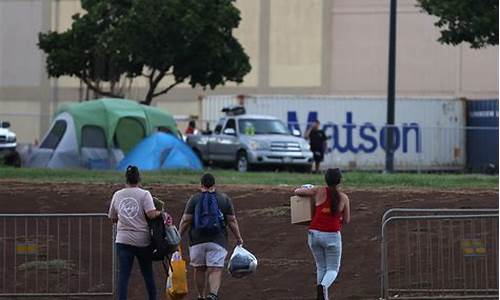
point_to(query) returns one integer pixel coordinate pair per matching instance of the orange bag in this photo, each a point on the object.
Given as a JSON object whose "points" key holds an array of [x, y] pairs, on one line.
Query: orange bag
{"points": [[177, 286]]}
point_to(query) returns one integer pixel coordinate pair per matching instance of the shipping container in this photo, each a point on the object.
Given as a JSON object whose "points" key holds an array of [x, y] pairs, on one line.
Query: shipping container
{"points": [[482, 136], [429, 133]]}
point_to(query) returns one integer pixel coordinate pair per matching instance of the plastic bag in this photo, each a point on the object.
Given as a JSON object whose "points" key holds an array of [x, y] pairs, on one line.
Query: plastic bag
{"points": [[177, 286], [242, 262], [172, 236]]}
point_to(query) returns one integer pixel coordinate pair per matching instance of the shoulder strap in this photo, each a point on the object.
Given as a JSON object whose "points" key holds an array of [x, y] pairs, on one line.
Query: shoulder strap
{"points": [[203, 198], [213, 196], [222, 217]]}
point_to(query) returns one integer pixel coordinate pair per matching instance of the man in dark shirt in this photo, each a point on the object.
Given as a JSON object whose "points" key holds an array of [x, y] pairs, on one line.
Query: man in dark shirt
{"points": [[317, 140], [208, 252]]}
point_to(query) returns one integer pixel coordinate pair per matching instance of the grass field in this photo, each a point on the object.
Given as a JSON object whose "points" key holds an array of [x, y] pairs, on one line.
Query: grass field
{"points": [[351, 179]]}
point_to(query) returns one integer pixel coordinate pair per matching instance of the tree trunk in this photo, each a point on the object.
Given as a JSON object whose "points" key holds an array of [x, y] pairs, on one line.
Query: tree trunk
{"points": [[112, 86], [87, 93], [153, 83], [95, 87], [149, 97]]}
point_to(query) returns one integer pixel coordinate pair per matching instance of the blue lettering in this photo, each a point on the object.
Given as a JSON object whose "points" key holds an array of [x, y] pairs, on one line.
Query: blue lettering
{"points": [[334, 138], [368, 138], [292, 121], [328, 137], [406, 129], [312, 117], [395, 138], [349, 126], [367, 134]]}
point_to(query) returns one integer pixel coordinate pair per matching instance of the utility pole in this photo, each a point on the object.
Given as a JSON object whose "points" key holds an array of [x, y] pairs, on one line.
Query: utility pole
{"points": [[391, 91]]}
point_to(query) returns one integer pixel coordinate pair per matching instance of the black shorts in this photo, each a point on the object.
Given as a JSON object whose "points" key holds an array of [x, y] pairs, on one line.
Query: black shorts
{"points": [[318, 156]]}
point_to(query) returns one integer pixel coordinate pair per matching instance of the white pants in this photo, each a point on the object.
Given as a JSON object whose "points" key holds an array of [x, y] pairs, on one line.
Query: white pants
{"points": [[326, 248]]}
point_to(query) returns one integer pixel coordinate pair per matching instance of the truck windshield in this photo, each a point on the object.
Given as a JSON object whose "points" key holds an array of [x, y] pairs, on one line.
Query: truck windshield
{"points": [[262, 126]]}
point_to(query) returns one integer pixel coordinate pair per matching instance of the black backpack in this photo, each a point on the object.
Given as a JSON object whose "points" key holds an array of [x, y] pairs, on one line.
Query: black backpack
{"points": [[160, 245]]}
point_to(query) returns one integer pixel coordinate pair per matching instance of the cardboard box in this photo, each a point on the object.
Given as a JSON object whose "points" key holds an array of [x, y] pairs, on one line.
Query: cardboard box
{"points": [[302, 209]]}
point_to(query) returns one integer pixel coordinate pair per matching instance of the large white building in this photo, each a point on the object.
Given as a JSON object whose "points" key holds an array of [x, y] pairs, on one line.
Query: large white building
{"points": [[335, 47]]}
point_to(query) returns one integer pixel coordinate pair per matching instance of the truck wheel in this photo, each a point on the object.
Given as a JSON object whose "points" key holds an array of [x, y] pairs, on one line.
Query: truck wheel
{"points": [[304, 169], [242, 162], [198, 154], [13, 159]]}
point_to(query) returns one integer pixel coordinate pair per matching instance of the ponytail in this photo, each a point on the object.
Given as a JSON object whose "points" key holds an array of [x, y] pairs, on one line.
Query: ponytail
{"points": [[335, 196], [332, 179], [132, 175]]}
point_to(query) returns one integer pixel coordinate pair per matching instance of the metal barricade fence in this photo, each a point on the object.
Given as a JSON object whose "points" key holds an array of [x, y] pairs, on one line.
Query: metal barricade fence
{"points": [[439, 254], [52, 255]]}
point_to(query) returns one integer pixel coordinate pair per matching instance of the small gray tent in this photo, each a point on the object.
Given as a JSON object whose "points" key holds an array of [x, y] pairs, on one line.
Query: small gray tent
{"points": [[98, 133]]}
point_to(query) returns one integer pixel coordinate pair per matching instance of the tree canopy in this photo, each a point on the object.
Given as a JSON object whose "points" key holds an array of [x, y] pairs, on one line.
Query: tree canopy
{"points": [[186, 40], [472, 21]]}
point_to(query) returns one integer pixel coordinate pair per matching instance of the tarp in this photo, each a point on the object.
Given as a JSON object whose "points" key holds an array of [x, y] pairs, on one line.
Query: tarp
{"points": [[161, 151]]}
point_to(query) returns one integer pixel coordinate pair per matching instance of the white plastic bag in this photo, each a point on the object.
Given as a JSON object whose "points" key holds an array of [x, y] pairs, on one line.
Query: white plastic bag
{"points": [[242, 262], [172, 236]]}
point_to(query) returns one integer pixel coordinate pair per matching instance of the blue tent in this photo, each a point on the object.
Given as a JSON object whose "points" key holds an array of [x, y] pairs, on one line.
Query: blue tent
{"points": [[161, 151]]}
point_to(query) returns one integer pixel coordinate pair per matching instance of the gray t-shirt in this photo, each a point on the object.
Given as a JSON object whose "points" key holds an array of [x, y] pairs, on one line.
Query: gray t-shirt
{"points": [[227, 209], [130, 205]]}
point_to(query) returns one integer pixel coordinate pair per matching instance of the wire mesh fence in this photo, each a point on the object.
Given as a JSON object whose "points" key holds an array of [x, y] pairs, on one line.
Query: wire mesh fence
{"points": [[440, 254], [49, 255]]}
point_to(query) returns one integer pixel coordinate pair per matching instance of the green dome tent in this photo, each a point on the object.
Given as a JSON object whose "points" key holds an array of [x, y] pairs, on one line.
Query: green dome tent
{"points": [[97, 134]]}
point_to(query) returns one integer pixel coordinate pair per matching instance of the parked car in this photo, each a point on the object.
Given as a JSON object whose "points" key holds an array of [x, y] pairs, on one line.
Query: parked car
{"points": [[8, 140], [246, 141], [8, 144]]}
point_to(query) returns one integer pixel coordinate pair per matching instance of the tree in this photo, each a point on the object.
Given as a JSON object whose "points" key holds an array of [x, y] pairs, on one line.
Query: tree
{"points": [[184, 40], [83, 52], [472, 21]]}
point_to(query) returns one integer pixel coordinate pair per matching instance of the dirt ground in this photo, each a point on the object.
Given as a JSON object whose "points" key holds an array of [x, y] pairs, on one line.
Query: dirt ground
{"points": [[286, 268]]}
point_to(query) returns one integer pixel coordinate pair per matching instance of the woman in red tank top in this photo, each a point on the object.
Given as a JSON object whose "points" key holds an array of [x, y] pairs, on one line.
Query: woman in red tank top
{"points": [[324, 239]]}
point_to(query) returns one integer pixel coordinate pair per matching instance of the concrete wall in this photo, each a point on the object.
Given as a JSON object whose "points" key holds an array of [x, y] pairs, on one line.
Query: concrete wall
{"points": [[336, 47], [424, 66], [24, 86]]}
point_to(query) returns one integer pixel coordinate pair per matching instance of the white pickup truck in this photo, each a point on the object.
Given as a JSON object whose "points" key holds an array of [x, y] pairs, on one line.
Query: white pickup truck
{"points": [[8, 144], [7, 138], [245, 141]]}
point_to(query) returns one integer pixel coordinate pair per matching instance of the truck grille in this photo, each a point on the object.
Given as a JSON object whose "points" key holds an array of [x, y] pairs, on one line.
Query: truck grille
{"points": [[285, 147], [3, 139]]}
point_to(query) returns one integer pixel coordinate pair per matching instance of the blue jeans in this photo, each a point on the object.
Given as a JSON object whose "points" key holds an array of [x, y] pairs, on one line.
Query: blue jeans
{"points": [[326, 248], [126, 254]]}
